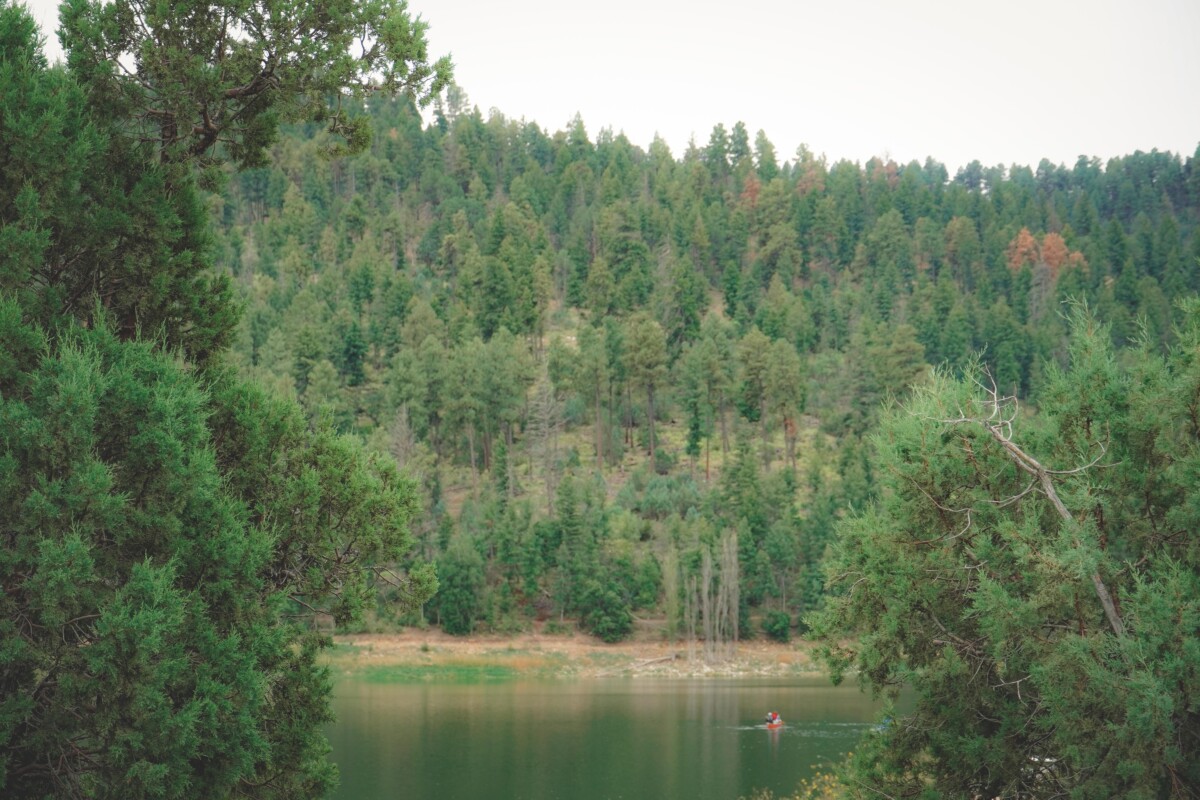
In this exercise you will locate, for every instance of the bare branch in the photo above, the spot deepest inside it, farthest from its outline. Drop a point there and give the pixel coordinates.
(1008, 501)
(999, 425)
(1095, 461)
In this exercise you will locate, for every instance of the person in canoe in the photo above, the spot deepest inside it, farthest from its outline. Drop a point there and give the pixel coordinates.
(773, 719)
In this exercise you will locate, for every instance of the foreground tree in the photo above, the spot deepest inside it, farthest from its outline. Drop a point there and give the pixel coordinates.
(160, 531)
(167, 532)
(90, 220)
(1035, 580)
(207, 80)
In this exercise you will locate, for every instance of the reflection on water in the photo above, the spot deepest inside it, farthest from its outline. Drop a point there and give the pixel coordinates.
(589, 739)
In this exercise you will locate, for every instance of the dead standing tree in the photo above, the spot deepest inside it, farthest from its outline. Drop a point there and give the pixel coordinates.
(711, 602)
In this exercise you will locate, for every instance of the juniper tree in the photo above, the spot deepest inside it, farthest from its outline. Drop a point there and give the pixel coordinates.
(165, 528)
(1035, 580)
(205, 81)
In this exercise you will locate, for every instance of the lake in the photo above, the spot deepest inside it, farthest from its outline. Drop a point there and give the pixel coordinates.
(598, 739)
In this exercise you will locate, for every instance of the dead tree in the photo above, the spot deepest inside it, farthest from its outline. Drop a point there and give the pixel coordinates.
(711, 601)
(997, 421)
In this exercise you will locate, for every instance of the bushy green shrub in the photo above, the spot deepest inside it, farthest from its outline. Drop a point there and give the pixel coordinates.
(607, 614)
(778, 625)
(461, 583)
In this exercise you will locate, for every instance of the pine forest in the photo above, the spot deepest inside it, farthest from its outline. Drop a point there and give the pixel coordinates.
(270, 370)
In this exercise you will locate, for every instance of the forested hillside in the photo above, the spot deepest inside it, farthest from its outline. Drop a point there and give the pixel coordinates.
(637, 383)
(952, 423)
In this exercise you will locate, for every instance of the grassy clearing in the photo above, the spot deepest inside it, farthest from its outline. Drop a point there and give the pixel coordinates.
(438, 673)
(437, 665)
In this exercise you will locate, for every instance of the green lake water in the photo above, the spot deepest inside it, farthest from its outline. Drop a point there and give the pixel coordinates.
(589, 739)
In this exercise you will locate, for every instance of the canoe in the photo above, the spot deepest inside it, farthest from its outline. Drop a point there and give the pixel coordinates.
(773, 725)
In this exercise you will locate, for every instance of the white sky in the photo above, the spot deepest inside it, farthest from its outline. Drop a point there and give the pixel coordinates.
(1003, 82)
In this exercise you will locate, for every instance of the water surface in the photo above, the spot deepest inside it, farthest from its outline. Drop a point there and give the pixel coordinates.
(596, 739)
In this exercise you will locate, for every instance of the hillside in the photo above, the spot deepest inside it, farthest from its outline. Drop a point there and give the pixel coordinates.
(600, 362)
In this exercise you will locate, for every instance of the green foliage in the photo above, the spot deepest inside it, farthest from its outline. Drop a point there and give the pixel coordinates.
(647, 583)
(145, 582)
(645, 357)
(529, 303)
(606, 612)
(778, 625)
(980, 580)
(87, 220)
(459, 600)
(657, 497)
(170, 530)
(227, 78)
(469, 674)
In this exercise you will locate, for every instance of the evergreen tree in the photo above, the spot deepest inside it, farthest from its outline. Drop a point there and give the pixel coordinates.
(679, 303)
(784, 387)
(225, 80)
(590, 376)
(165, 523)
(765, 159)
(889, 245)
(606, 613)
(459, 600)
(752, 359)
(353, 355)
(1018, 575)
(91, 222)
(646, 360)
(454, 245)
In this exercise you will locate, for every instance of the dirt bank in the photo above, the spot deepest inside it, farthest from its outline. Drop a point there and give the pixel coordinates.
(430, 654)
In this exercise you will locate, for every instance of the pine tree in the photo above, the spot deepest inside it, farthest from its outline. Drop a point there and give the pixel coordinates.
(460, 587)
(785, 390)
(646, 360)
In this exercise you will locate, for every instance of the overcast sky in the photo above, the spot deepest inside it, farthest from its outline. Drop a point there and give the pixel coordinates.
(1002, 82)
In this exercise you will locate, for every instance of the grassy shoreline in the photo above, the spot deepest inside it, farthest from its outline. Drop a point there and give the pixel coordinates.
(416, 656)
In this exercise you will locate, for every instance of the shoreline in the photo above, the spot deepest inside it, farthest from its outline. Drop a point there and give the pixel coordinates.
(415, 655)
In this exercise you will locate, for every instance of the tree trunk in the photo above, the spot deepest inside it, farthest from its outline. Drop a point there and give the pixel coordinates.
(629, 416)
(724, 427)
(707, 465)
(766, 446)
(729, 592)
(509, 478)
(695, 649)
(1033, 467)
(706, 605)
(474, 472)
(650, 421)
(789, 440)
(599, 435)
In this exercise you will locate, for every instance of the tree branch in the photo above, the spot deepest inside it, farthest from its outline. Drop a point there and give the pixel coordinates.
(999, 426)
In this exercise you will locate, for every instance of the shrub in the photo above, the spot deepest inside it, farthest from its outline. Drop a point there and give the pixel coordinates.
(607, 615)
(778, 625)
